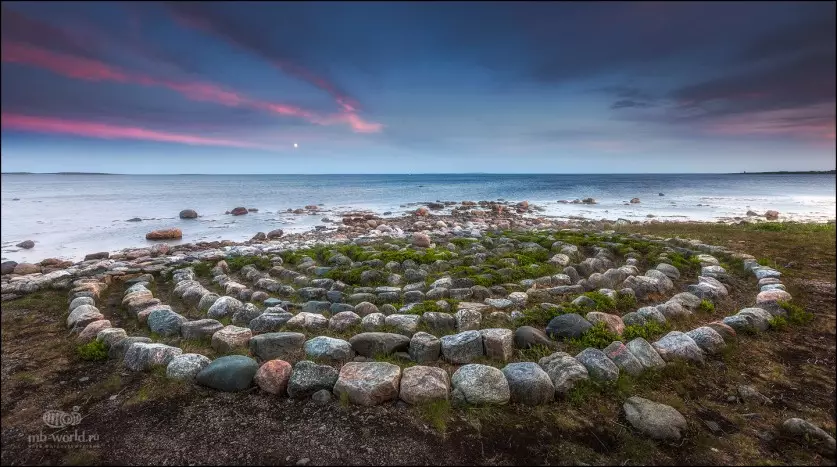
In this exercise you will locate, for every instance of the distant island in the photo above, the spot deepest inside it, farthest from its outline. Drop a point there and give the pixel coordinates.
(786, 172)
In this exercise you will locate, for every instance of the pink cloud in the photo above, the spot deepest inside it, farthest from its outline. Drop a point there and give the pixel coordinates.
(106, 131)
(814, 123)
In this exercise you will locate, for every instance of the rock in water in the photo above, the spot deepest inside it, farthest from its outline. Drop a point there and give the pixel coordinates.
(188, 214)
(26, 244)
(239, 211)
(231, 373)
(659, 421)
(165, 234)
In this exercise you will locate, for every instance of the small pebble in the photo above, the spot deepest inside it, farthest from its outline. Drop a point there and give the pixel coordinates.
(303, 461)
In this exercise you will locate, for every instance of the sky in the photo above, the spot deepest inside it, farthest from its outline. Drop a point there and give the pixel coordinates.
(414, 87)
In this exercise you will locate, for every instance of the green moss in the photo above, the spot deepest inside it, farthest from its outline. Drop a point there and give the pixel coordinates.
(650, 331)
(624, 302)
(431, 306)
(463, 242)
(778, 323)
(706, 306)
(535, 353)
(92, 351)
(237, 262)
(202, 269)
(603, 302)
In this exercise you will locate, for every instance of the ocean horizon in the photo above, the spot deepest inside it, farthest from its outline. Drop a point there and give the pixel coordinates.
(70, 215)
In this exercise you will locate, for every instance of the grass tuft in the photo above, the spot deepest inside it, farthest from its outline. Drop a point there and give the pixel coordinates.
(92, 351)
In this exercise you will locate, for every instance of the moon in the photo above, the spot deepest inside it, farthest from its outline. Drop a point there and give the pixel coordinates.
(296, 145)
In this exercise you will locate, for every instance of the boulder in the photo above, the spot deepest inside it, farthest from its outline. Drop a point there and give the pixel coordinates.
(599, 366)
(658, 421)
(525, 337)
(623, 358)
(200, 329)
(439, 322)
(269, 322)
(645, 353)
(92, 330)
(421, 240)
(368, 383)
(185, 367)
(308, 378)
(807, 432)
(343, 320)
(403, 324)
(479, 385)
(613, 322)
(424, 347)
(231, 338)
(498, 343)
(370, 344)
(273, 376)
(239, 211)
(118, 348)
(308, 322)
(26, 244)
(273, 345)
(424, 384)
(164, 234)
(528, 384)
(707, 339)
(83, 315)
(223, 307)
(142, 356)
(329, 348)
(188, 214)
(230, 373)
(165, 322)
(563, 370)
(677, 345)
(110, 336)
(463, 347)
(567, 326)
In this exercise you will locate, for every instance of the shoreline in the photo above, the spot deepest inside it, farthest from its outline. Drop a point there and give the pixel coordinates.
(445, 219)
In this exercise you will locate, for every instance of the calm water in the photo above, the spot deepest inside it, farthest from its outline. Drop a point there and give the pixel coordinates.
(69, 216)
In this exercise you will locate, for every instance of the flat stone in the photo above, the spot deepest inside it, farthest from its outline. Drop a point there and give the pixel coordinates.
(658, 421)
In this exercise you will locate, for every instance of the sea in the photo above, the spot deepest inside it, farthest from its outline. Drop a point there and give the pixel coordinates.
(68, 216)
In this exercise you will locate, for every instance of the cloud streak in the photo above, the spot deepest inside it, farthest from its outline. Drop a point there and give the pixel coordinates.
(92, 70)
(49, 125)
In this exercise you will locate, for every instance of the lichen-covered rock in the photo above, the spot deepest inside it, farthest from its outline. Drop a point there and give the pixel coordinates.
(273, 345)
(645, 353)
(563, 370)
(669, 270)
(343, 320)
(308, 322)
(200, 329)
(92, 330)
(707, 339)
(599, 367)
(273, 376)
(231, 338)
(185, 367)
(463, 347)
(165, 322)
(269, 322)
(651, 313)
(230, 373)
(498, 343)
(373, 322)
(439, 322)
(567, 326)
(403, 324)
(659, 421)
(368, 383)
(468, 320)
(749, 320)
(424, 384)
(323, 347)
(769, 300)
(424, 347)
(677, 345)
(623, 358)
(528, 384)
(118, 348)
(370, 344)
(142, 356)
(613, 322)
(83, 315)
(308, 378)
(687, 300)
(110, 336)
(223, 307)
(479, 385)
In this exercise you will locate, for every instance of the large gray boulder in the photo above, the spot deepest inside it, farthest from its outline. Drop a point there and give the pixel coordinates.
(567, 326)
(424, 347)
(439, 322)
(677, 345)
(462, 348)
(479, 385)
(368, 383)
(563, 370)
(281, 345)
(369, 344)
(165, 322)
(269, 322)
(498, 343)
(223, 307)
(529, 384)
(623, 358)
(599, 367)
(645, 353)
(328, 348)
(525, 337)
(424, 384)
(185, 367)
(200, 329)
(807, 432)
(707, 339)
(658, 421)
(118, 348)
(231, 373)
(83, 315)
(142, 356)
(308, 378)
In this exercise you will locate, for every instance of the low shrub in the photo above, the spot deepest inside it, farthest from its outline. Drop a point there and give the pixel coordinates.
(92, 351)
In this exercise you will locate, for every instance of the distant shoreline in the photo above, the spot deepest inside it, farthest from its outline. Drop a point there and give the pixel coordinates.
(781, 172)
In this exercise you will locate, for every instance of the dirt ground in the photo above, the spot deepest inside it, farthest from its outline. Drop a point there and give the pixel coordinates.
(145, 419)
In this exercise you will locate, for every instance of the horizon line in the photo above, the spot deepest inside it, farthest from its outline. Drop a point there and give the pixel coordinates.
(431, 173)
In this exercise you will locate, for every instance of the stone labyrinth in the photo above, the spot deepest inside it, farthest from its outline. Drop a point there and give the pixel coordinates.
(512, 317)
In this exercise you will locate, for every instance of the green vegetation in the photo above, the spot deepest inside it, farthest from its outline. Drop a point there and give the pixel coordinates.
(535, 353)
(92, 351)
(685, 265)
(431, 305)
(649, 331)
(202, 269)
(436, 413)
(706, 306)
(603, 302)
(796, 314)
(778, 323)
(597, 336)
(624, 302)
